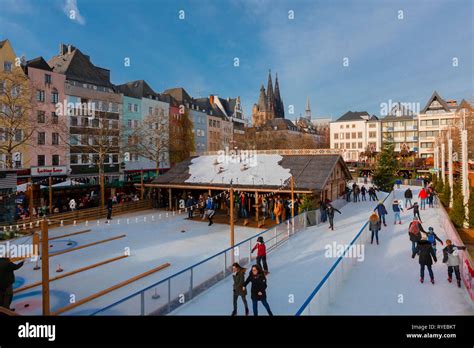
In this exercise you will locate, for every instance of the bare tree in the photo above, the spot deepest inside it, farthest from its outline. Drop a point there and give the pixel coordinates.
(16, 104)
(181, 138)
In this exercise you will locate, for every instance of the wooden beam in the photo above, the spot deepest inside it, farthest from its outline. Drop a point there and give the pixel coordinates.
(225, 188)
(112, 288)
(69, 234)
(82, 269)
(87, 245)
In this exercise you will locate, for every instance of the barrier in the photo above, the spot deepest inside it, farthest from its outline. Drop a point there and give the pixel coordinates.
(466, 264)
(323, 294)
(168, 294)
(87, 245)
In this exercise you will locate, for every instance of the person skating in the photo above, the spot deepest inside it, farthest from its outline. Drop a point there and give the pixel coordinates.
(416, 210)
(110, 205)
(423, 195)
(430, 196)
(356, 193)
(238, 275)
(348, 194)
(7, 278)
(330, 211)
(408, 197)
(363, 191)
(261, 254)
(323, 211)
(210, 210)
(425, 258)
(414, 232)
(190, 203)
(374, 226)
(432, 238)
(451, 259)
(381, 211)
(258, 289)
(396, 207)
(372, 194)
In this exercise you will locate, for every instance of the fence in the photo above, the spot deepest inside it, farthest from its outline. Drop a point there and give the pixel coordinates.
(170, 293)
(466, 264)
(324, 292)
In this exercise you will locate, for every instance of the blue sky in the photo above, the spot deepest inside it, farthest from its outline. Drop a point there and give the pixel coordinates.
(389, 58)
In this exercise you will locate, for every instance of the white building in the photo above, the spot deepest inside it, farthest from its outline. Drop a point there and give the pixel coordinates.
(354, 133)
(437, 116)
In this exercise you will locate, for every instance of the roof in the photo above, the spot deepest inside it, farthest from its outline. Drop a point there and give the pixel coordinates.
(436, 96)
(37, 63)
(3, 43)
(78, 67)
(279, 124)
(356, 116)
(137, 89)
(179, 94)
(310, 172)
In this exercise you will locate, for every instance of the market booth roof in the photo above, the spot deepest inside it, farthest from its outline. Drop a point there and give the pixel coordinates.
(255, 171)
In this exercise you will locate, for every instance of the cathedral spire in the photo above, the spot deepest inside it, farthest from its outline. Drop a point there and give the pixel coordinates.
(262, 100)
(307, 112)
(270, 95)
(279, 109)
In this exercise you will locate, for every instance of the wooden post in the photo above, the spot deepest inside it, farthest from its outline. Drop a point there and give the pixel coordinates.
(45, 266)
(292, 197)
(50, 194)
(30, 203)
(232, 218)
(102, 190)
(142, 193)
(170, 199)
(256, 206)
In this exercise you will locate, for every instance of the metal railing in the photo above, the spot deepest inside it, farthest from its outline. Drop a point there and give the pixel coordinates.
(324, 292)
(170, 293)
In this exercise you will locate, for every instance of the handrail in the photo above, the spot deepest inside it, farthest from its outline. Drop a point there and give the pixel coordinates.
(186, 269)
(331, 270)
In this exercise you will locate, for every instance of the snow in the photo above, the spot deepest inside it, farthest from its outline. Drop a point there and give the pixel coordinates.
(371, 286)
(260, 169)
(151, 244)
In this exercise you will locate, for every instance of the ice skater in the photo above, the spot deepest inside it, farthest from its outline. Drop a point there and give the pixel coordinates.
(330, 211)
(258, 289)
(408, 197)
(238, 275)
(397, 208)
(425, 258)
(414, 232)
(451, 259)
(323, 211)
(261, 254)
(381, 211)
(363, 191)
(210, 210)
(110, 205)
(190, 203)
(7, 278)
(374, 226)
(423, 195)
(416, 211)
(432, 238)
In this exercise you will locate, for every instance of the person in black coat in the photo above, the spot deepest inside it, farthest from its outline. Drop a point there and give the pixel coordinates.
(330, 211)
(238, 275)
(258, 289)
(426, 258)
(7, 278)
(110, 205)
(408, 196)
(416, 211)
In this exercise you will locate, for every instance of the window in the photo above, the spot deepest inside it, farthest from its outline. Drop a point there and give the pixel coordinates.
(114, 158)
(427, 145)
(429, 123)
(354, 135)
(47, 79)
(74, 159)
(347, 126)
(372, 134)
(336, 145)
(359, 135)
(54, 97)
(85, 122)
(354, 145)
(353, 126)
(341, 126)
(135, 123)
(55, 138)
(129, 123)
(135, 107)
(74, 140)
(336, 136)
(342, 136)
(40, 95)
(41, 117)
(74, 121)
(129, 106)
(348, 135)
(359, 145)
(54, 118)
(85, 159)
(41, 161)
(372, 125)
(7, 66)
(41, 138)
(55, 160)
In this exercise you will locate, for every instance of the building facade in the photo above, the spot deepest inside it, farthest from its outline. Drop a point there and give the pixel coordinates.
(400, 127)
(354, 133)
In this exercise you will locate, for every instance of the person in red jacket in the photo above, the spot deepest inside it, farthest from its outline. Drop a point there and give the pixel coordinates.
(261, 254)
(423, 195)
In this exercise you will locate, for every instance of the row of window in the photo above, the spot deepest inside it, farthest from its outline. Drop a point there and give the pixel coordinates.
(87, 140)
(41, 96)
(42, 138)
(94, 122)
(5, 134)
(358, 145)
(42, 160)
(92, 158)
(441, 122)
(353, 135)
(41, 117)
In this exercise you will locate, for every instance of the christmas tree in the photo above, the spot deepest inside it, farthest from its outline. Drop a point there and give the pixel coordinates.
(457, 214)
(387, 165)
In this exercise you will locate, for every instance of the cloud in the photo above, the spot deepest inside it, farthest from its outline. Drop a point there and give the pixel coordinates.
(72, 11)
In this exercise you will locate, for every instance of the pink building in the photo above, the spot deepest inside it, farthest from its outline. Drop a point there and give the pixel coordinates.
(47, 153)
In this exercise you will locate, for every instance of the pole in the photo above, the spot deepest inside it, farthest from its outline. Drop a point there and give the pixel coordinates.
(45, 266)
(293, 197)
(450, 170)
(142, 193)
(50, 194)
(170, 204)
(30, 203)
(465, 175)
(102, 190)
(443, 163)
(231, 217)
(256, 207)
(436, 158)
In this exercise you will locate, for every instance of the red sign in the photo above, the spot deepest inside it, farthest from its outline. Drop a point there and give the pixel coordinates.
(47, 171)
